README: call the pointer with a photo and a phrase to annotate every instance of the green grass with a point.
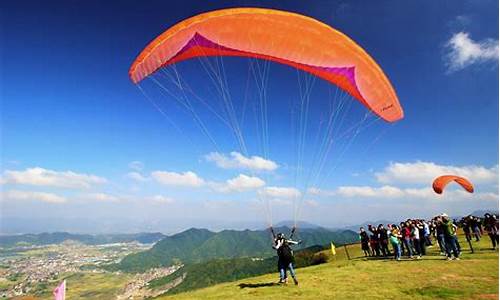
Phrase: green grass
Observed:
(96, 286)
(86, 286)
(217, 271)
(475, 276)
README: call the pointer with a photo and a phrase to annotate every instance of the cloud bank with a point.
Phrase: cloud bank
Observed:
(49, 178)
(240, 183)
(236, 160)
(280, 192)
(426, 172)
(14, 195)
(189, 179)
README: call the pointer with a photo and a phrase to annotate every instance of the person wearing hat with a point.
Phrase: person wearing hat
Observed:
(450, 238)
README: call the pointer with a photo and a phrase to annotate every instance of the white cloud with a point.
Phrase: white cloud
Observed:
(280, 202)
(320, 192)
(311, 203)
(161, 199)
(102, 197)
(241, 183)
(463, 51)
(366, 191)
(36, 196)
(237, 160)
(43, 177)
(458, 195)
(425, 192)
(280, 192)
(486, 196)
(426, 172)
(136, 176)
(422, 174)
(136, 165)
(178, 179)
(392, 192)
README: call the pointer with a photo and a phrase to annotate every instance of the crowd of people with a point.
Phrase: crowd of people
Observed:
(475, 227)
(412, 237)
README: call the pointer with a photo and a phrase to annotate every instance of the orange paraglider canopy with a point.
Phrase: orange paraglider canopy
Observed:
(284, 37)
(440, 183)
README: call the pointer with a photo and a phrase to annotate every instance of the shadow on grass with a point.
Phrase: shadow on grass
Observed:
(403, 258)
(257, 285)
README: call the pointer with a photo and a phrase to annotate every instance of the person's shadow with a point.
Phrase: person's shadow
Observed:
(256, 285)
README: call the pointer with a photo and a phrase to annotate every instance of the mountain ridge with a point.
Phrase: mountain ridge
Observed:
(199, 245)
(47, 238)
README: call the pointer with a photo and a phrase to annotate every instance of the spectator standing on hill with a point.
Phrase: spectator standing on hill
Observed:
(285, 257)
(421, 231)
(365, 241)
(384, 240)
(476, 227)
(427, 233)
(401, 239)
(455, 229)
(406, 233)
(440, 234)
(466, 227)
(449, 237)
(394, 239)
(374, 240)
(415, 235)
(491, 227)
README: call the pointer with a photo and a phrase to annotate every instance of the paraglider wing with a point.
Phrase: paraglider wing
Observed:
(284, 37)
(441, 182)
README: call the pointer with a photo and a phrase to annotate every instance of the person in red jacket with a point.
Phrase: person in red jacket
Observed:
(406, 233)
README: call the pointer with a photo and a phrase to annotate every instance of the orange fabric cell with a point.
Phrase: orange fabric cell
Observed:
(440, 183)
(284, 37)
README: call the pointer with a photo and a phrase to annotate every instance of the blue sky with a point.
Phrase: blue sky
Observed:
(80, 143)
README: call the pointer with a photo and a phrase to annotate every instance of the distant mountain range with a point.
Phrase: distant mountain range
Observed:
(480, 213)
(300, 224)
(59, 237)
(199, 245)
(365, 224)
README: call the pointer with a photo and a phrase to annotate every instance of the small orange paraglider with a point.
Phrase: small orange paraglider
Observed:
(440, 183)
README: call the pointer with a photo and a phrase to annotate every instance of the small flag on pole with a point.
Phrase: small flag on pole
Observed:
(60, 291)
(333, 248)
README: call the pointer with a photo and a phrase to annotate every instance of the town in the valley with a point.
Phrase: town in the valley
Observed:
(34, 269)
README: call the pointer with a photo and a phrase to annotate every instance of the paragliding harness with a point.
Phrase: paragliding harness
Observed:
(285, 252)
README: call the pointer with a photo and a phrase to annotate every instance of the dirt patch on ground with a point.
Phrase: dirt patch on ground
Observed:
(487, 296)
(451, 277)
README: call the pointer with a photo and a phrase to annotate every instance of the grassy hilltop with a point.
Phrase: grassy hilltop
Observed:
(475, 276)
